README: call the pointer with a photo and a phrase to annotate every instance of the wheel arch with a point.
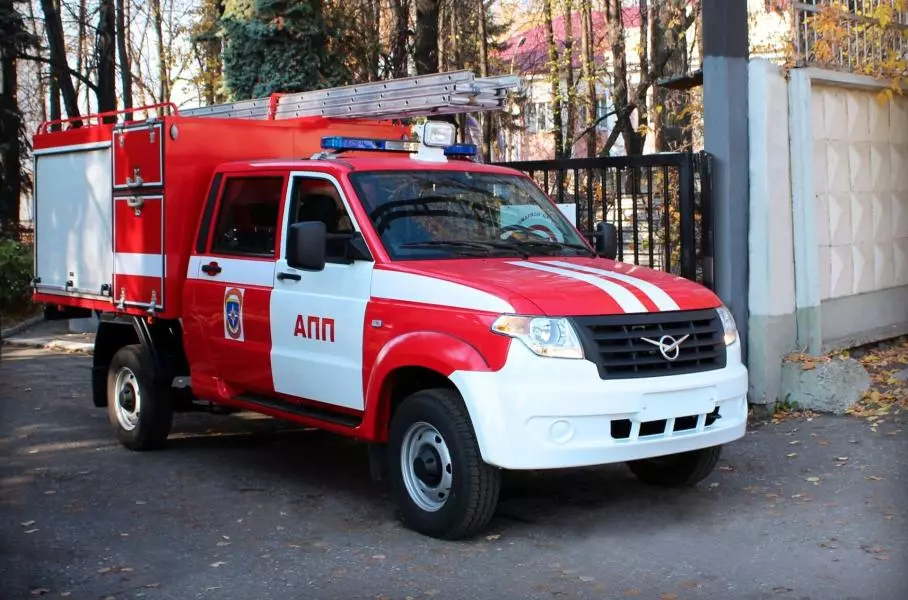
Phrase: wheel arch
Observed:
(404, 366)
(161, 339)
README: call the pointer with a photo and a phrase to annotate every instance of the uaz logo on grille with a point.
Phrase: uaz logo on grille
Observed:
(668, 346)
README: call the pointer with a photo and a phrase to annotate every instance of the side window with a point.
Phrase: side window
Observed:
(313, 199)
(247, 218)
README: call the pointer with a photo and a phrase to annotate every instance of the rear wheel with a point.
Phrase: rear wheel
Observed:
(677, 470)
(140, 412)
(439, 482)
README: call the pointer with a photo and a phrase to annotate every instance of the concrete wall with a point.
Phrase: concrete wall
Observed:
(860, 178)
(828, 216)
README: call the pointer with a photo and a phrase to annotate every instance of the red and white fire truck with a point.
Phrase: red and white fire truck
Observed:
(311, 258)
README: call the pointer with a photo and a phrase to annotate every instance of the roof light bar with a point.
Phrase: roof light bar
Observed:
(345, 143)
(338, 143)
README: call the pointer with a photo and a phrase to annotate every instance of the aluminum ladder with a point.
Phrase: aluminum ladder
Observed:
(437, 94)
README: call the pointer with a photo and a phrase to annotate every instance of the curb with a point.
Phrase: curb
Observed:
(55, 345)
(19, 327)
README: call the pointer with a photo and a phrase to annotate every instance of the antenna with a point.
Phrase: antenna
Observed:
(437, 94)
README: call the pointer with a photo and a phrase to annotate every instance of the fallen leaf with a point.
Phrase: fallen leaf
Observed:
(881, 556)
(218, 564)
(714, 485)
(64, 594)
(378, 556)
(152, 585)
(223, 544)
(793, 443)
(28, 523)
(873, 478)
(632, 592)
(140, 502)
(807, 366)
(726, 468)
(586, 579)
(791, 454)
(39, 591)
(842, 458)
(813, 479)
(49, 492)
(493, 537)
(109, 598)
(103, 570)
(30, 530)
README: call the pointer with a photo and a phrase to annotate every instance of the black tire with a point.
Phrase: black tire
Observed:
(475, 485)
(677, 470)
(154, 414)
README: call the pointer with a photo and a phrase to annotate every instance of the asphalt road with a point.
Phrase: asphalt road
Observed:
(248, 508)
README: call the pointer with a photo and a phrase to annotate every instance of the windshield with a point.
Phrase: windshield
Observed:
(442, 214)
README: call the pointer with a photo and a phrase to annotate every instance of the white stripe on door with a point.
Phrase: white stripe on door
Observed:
(628, 302)
(658, 296)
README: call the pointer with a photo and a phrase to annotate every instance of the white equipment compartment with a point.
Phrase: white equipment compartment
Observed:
(73, 220)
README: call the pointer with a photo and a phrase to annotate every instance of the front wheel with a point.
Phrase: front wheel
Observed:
(677, 470)
(139, 410)
(438, 480)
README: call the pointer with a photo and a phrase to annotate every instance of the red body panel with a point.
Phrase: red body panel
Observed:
(139, 231)
(138, 157)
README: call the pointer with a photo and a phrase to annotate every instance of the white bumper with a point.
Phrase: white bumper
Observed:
(548, 413)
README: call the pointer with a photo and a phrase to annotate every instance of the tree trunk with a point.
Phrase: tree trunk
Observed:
(106, 57)
(10, 119)
(484, 71)
(643, 51)
(158, 15)
(59, 65)
(554, 78)
(589, 75)
(125, 69)
(81, 50)
(620, 94)
(426, 45)
(571, 103)
(399, 38)
(42, 86)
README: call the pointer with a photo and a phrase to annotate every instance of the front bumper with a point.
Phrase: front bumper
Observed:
(548, 413)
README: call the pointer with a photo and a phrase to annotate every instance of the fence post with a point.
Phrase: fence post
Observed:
(704, 165)
(686, 210)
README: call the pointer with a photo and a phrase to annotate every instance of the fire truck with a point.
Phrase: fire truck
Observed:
(336, 259)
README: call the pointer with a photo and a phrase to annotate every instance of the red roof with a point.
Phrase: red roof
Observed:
(532, 54)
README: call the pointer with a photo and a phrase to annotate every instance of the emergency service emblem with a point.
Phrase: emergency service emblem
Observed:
(233, 314)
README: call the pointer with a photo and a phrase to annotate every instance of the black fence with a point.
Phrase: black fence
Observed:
(660, 204)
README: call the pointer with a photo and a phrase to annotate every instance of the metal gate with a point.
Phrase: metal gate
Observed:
(660, 204)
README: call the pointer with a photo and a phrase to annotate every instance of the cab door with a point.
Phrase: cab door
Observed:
(317, 318)
(232, 283)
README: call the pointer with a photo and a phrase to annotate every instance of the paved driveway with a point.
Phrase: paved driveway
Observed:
(248, 508)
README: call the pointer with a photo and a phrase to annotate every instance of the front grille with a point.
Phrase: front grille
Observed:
(614, 343)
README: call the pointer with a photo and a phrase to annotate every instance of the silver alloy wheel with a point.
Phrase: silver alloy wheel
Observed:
(426, 466)
(128, 398)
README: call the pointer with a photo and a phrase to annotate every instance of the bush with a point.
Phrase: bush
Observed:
(15, 276)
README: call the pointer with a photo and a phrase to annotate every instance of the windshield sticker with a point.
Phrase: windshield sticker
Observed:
(233, 314)
(520, 218)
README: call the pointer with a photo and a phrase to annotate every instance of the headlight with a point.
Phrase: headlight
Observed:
(542, 335)
(728, 324)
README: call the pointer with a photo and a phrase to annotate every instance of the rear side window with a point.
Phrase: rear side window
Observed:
(247, 218)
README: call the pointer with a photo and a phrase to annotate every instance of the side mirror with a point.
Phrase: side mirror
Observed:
(306, 246)
(606, 240)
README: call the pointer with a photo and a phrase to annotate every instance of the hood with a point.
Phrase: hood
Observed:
(570, 286)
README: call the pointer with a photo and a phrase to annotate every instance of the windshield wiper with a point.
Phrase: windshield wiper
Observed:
(487, 246)
(551, 244)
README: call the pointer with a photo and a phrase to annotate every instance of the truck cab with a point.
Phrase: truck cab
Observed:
(400, 299)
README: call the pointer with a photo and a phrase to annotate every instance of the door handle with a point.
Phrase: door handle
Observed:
(211, 268)
(292, 276)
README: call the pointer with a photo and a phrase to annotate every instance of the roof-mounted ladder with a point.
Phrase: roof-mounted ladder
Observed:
(426, 95)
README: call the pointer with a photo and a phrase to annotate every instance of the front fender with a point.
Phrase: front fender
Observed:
(439, 352)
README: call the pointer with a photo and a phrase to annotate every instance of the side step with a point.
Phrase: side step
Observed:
(311, 412)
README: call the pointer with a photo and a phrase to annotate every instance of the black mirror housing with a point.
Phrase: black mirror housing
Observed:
(306, 246)
(606, 240)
